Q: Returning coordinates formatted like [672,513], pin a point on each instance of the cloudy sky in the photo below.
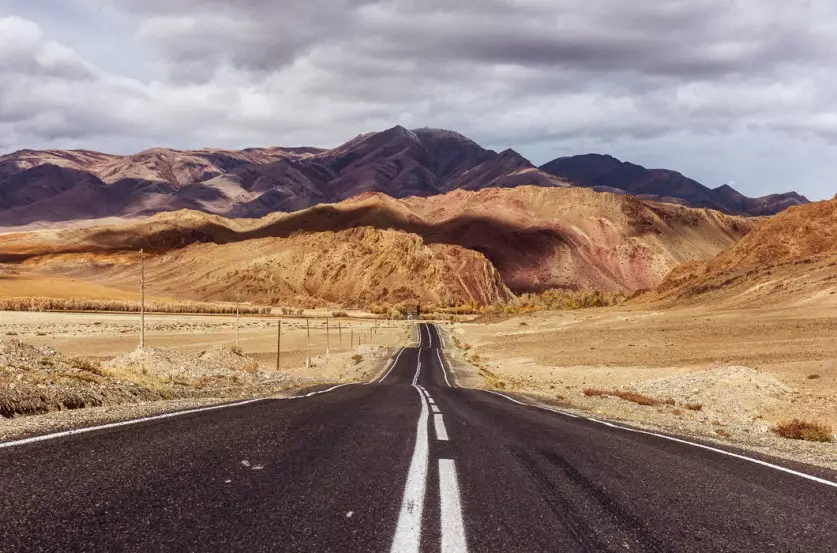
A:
[721,90]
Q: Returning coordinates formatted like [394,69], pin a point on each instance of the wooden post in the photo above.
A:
[236,321]
[142,298]
[339,335]
[352,339]
[308,327]
[279,345]
[328,337]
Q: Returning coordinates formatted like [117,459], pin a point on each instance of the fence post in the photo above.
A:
[279,345]
[328,337]
[308,357]
[142,298]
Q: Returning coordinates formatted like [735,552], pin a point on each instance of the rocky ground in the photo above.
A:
[43,390]
[727,377]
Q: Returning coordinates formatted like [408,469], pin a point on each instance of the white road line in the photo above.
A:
[441,431]
[123,423]
[435,408]
[320,392]
[508,398]
[407,537]
[723,452]
[443,368]
[430,400]
[392,366]
[453,528]
[681,441]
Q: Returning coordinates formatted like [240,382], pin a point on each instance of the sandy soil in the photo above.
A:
[106,335]
[124,379]
[747,370]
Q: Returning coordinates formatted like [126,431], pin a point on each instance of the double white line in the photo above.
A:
[407,537]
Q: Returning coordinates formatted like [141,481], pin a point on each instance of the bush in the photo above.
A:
[357,358]
[634,397]
[76,304]
[237,350]
[339,314]
[693,406]
[813,376]
[804,430]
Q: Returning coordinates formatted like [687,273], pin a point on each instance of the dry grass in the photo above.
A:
[804,430]
[74,304]
[634,397]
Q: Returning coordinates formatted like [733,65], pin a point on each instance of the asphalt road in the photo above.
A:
[408,463]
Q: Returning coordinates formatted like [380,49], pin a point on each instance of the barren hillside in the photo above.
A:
[537,238]
[353,267]
[791,258]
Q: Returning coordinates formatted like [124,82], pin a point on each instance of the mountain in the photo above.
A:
[606,173]
[536,238]
[790,258]
[57,186]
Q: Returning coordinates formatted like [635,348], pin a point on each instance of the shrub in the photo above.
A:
[78,304]
[634,397]
[693,406]
[86,365]
[813,376]
[522,323]
[798,429]
[723,433]
[339,314]
[357,358]
[237,350]
[669,401]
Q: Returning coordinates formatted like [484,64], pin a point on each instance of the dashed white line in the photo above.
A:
[123,423]
[407,537]
[453,528]
[435,408]
[430,400]
[681,441]
[441,430]
[393,365]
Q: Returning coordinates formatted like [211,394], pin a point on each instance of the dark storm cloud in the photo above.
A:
[661,80]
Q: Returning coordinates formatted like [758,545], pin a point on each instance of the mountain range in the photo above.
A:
[60,186]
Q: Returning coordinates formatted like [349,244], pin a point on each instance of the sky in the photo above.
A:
[741,91]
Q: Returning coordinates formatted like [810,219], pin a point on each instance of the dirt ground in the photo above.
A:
[91,360]
[106,335]
[746,370]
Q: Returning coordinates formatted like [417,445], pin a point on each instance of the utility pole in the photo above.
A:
[142,298]
[236,319]
[279,345]
[308,327]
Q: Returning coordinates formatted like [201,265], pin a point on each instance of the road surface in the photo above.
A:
[409,463]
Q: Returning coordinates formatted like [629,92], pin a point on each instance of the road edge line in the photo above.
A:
[128,422]
[780,468]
